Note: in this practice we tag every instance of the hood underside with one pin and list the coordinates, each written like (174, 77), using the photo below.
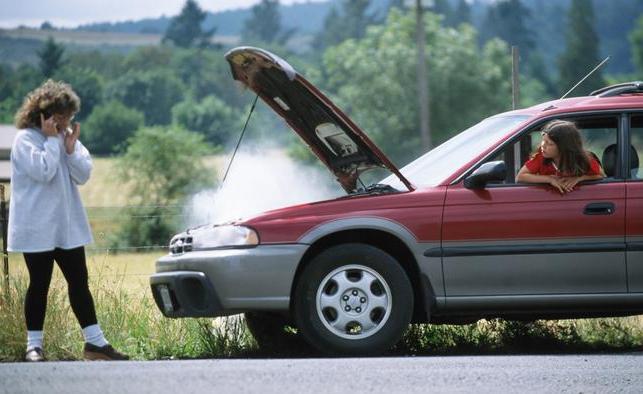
(331, 135)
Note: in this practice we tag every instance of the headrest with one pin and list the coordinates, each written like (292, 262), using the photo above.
(610, 156)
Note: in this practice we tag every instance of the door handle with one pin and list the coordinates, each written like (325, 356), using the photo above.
(599, 208)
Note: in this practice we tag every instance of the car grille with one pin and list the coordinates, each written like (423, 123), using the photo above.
(181, 244)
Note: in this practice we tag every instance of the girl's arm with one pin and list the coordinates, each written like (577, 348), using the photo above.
(571, 182)
(527, 177)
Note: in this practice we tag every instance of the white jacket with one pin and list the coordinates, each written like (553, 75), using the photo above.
(45, 211)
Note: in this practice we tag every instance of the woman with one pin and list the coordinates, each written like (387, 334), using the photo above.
(561, 160)
(47, 220)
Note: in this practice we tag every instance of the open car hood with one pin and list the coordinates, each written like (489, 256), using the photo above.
(332, 136)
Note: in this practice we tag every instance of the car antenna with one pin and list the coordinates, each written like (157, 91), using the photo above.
(586, 76)
(225, 175)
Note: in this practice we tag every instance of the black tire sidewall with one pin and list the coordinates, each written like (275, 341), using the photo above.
(314, 330)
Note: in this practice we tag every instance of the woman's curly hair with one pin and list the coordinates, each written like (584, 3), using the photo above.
(52, 97)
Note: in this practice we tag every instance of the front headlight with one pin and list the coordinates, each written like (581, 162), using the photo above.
(227, 235)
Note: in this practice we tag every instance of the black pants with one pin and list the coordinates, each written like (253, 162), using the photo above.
(73, 265)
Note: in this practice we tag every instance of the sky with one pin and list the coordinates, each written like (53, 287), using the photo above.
(71, 13)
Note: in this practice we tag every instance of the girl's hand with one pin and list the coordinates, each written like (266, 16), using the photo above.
(48, 126)
(558, 184)
(569, 183)
(71, 138)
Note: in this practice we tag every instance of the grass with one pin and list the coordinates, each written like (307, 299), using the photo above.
(126, 312)
(540, 336)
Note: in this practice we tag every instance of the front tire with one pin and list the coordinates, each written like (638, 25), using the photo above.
(274, 334)
(353, 299)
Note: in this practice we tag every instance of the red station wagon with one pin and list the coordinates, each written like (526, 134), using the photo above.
(449, 238)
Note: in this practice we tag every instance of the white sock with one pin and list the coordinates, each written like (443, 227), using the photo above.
(34, 339)
(94, 335)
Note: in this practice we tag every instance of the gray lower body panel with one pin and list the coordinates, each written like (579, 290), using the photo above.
(257, 278)
(551, 306)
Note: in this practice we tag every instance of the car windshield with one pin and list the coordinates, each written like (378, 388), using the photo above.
(436, 165)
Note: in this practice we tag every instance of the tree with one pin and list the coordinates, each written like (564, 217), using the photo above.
(185, 29)
(211, 117)
(51, 57)
(442, 7)
(462, 13)
(162, 166)
(15, 83)
(374, 81)
(87, 83)
(636, 40)
(151, 161)
(46, 25)
(264, 24)
(581, 54)
(153, 92)
(348, 22)
(508, 20)
(537, 70)
(109, 126)
(204, 73)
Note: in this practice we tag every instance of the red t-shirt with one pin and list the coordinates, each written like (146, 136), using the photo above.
(537, 165)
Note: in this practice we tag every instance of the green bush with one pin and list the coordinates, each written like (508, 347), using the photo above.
(163, 166)
(153, 92)
(210, 116)
(109, 126)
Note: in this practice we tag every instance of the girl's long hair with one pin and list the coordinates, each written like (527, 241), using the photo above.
(574, 160)
(52, 97)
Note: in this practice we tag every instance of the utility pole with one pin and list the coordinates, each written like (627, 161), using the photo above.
(515, 77)
(422, 73)
(5, 257)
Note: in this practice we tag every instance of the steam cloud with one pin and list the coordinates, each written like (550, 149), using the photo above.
(260, 180)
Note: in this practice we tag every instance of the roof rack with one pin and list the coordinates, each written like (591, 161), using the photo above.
(621, 88)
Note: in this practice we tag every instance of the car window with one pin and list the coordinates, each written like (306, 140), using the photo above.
(636, 140)
(600, 138)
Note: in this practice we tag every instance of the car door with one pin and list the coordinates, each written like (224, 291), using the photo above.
(513, 239)
(634, 220)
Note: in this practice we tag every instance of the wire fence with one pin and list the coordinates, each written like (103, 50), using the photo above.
(107, 224)
(108, 221)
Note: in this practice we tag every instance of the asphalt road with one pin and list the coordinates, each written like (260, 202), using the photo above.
(479, 374)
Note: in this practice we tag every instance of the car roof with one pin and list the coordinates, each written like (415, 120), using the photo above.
(583, 104)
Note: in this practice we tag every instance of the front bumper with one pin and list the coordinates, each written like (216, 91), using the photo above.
(226, 281)
(185, 294)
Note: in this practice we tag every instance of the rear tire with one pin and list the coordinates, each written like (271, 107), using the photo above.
(353, 299)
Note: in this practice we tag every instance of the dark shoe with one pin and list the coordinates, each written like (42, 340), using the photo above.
(107, 352)
(34, 355)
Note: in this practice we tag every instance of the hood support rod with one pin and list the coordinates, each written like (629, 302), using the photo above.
(239, 141)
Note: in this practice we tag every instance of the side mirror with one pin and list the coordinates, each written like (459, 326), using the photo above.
(491, 171)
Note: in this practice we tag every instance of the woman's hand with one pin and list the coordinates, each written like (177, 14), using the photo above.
(71, 138)
(48, 126)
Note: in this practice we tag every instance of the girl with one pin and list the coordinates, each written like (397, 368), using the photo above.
(47, 220)
(561, 160)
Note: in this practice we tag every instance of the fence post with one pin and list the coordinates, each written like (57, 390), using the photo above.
(5, 256)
